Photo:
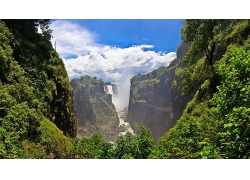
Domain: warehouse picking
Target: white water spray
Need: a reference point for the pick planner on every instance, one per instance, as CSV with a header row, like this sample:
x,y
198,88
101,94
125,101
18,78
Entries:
x,y
120,98
108,89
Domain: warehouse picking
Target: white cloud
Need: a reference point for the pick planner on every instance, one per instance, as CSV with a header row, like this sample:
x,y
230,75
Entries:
x,y
72,39
112,62
105,62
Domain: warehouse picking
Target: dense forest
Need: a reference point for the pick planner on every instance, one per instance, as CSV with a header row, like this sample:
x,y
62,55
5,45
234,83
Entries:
x,y
38,119
215,123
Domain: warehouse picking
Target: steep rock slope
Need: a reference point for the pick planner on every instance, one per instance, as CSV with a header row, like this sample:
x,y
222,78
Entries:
x,y
155,99
215,123
94,108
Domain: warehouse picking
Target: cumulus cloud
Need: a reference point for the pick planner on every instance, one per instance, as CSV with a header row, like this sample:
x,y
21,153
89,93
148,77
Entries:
x,y
72,39
83,56
106,62
113,62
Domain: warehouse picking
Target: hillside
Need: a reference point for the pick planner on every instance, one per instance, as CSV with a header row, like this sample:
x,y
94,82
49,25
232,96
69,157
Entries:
x,y
197,107
215,124
213,75
37,117
155,100
95,111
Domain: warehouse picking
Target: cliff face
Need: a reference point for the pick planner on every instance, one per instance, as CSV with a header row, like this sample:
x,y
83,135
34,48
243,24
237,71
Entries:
x,y
94,109
155,99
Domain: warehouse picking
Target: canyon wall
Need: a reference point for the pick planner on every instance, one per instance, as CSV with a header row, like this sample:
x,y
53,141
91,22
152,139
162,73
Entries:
x,y
155,100
94,109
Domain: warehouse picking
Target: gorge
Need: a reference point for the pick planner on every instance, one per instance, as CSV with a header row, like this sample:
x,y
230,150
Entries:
x,y
99,108
155,99
196,107
152,99
117,98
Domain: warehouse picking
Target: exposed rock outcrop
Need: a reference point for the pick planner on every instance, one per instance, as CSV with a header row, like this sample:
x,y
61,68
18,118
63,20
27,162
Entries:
x,y
94,109
155,99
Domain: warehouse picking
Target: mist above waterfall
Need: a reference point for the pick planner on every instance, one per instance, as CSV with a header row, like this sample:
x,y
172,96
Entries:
x,y
120,91
120,97
121,100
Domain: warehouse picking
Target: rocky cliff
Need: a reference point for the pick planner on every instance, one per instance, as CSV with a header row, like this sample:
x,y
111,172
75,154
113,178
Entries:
x,y
94,109
155,99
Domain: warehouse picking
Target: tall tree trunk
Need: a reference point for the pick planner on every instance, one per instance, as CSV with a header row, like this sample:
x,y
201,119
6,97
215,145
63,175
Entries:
x,y
210,54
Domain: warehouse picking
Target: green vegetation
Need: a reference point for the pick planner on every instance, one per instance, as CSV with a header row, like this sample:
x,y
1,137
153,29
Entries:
x,y
93,89
152,82
37,119
35,94
87,81
95,111
125,147
215,123
151,75
149,79
141,101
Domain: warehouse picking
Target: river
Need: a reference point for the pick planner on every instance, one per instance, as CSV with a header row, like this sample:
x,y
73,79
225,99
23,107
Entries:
x,y
124,126
120,101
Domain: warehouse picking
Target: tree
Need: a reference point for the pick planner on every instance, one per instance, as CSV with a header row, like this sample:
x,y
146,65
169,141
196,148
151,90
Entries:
x,y
199,58
139,148
92,148
44,26
144,143
5,51
201,33
125,147
232,105
33,86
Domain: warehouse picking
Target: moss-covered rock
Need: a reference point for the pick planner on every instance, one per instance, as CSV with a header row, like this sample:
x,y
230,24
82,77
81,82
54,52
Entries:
x,y
156,101
95,111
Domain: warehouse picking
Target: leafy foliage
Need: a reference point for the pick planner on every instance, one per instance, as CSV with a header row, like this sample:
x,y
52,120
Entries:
x,y
232,104
5,51
37,119
201,34
33,85
215,123
150,79
126,147
87,81
93,148
138,148
53,140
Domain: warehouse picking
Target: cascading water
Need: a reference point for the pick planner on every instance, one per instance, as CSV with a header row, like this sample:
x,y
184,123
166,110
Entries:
x,y
121,109
124,126
108,89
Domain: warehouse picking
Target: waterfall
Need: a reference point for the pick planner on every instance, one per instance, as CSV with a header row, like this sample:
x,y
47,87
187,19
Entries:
x,y
120,103
108,89
116,90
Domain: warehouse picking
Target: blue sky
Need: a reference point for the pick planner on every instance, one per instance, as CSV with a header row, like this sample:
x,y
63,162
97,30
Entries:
x,y
163,34
115,49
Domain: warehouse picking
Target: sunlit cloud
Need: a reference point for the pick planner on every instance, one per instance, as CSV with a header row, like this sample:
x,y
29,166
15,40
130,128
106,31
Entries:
x,y
72,39
83,56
